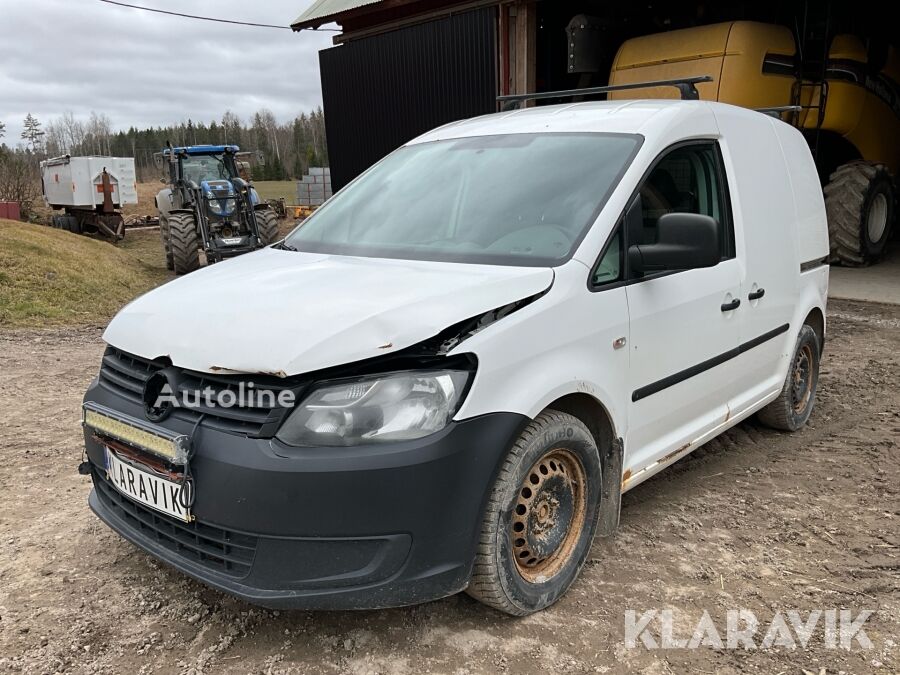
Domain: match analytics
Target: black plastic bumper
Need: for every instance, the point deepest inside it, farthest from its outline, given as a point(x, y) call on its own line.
point(325, 528)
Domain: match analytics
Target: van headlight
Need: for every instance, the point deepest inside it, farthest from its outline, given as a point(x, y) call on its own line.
point(394, 407)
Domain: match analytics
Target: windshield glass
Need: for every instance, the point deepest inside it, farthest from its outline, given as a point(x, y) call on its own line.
point(516, 199)
point(204, 167)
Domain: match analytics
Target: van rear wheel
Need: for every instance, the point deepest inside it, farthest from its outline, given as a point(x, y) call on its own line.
point(791, 410)
point(860, 205)
point(540, 519)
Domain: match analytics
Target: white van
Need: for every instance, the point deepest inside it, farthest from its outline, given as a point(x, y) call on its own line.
point(471, 351)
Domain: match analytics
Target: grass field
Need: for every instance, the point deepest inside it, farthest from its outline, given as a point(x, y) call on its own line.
point(276, 189)
point(52, 277)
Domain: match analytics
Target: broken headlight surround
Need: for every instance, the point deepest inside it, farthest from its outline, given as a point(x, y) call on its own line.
point(392, 407)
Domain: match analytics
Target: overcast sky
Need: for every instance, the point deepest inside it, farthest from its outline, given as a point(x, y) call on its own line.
point(145, 69)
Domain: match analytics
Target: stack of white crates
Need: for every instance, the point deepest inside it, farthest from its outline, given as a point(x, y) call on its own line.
point(315, 187)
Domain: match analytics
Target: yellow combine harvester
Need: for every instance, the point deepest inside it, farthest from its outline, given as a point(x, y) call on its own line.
point(847, 104)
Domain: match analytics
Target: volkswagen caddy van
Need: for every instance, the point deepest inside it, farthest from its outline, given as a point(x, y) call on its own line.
point(445, 379)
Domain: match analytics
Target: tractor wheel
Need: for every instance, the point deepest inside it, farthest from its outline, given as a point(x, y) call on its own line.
point(859, 201)
point(184, 243)
point(164, 233)
point(267, 224)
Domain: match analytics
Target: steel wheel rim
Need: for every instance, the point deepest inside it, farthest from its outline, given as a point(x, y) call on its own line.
point(802, 379)
point(549, 515)
point(876, 218)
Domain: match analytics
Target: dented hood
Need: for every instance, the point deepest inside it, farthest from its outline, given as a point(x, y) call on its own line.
point(285, 312)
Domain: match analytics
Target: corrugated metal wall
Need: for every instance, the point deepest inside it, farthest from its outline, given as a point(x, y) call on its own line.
point(383, 90)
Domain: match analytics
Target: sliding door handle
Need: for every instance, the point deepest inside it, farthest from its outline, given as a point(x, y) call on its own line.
point(728, 306)
point(757, 294)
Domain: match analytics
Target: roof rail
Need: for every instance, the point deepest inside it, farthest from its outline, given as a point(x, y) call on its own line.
point(684, 84)
point(776, 111)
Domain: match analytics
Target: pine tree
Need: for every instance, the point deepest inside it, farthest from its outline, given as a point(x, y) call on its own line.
point(32, 132)
point(2, 130)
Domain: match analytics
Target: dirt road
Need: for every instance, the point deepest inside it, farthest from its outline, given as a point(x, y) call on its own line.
point(755, 520)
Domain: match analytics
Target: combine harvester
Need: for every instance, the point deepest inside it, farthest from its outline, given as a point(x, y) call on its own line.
point(842, 94)
point(89, 191)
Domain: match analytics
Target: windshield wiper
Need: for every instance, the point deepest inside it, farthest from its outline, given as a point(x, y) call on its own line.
point(286, 247)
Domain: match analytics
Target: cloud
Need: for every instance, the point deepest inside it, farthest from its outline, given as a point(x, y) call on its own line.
point(144, 69)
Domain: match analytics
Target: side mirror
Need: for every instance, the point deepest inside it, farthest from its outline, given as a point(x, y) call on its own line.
point(686, 241)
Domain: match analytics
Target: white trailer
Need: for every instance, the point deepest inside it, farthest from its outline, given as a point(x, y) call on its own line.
point(89, 190)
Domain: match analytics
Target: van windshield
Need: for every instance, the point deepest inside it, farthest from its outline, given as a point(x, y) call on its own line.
point(515, 199)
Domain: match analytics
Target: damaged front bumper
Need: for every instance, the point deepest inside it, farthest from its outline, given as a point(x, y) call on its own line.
point(327, 528)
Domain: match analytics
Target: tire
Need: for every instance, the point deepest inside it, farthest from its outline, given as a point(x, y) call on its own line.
point(56, 222)
point(164, 234)
point(184, 243)
point(71, 224)
point(791, 410)
point(860, 202)
point(267, 224)
point(540, 518)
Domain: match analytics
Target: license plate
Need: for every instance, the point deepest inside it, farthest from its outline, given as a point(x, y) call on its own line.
point(147, 489)
point(231, 241)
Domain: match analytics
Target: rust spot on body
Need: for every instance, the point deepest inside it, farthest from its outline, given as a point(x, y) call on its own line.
point(626, 477)
point(675, 452)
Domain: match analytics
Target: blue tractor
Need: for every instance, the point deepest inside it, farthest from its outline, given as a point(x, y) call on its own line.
point(208, 206)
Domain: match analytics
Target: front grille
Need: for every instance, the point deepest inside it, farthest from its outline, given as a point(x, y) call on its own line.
point(125, 374)
point(222, 551)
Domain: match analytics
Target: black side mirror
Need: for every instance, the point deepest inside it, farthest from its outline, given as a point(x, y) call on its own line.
point(686, 241)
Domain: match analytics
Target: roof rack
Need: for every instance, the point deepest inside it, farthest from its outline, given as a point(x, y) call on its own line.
point(684, 84)
point(777, 111)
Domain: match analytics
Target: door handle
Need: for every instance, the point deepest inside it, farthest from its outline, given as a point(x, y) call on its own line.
point(757, 294)
point(728, 306)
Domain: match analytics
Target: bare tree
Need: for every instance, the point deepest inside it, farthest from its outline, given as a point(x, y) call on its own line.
point(231, 125)
point(18, 180)
point(98, 132)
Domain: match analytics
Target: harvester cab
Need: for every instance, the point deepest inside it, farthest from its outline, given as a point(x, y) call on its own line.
point(209, 206)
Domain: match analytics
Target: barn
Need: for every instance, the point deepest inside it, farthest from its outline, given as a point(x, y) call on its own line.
point(401, 67)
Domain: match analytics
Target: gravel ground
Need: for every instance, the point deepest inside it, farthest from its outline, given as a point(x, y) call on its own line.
point(754, 520)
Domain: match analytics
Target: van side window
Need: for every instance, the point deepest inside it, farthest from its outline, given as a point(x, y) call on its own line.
point(689, 179)
point(609, 267)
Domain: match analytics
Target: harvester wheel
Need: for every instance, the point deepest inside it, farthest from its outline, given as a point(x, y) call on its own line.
point(267, 224)
point(164, 233)
point(184, 243)
point(860, 203)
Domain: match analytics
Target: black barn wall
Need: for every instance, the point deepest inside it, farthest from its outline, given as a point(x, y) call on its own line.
point(381, 91)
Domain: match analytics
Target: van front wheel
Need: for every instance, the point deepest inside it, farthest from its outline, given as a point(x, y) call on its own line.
point(540, 519)
point(794, 404)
